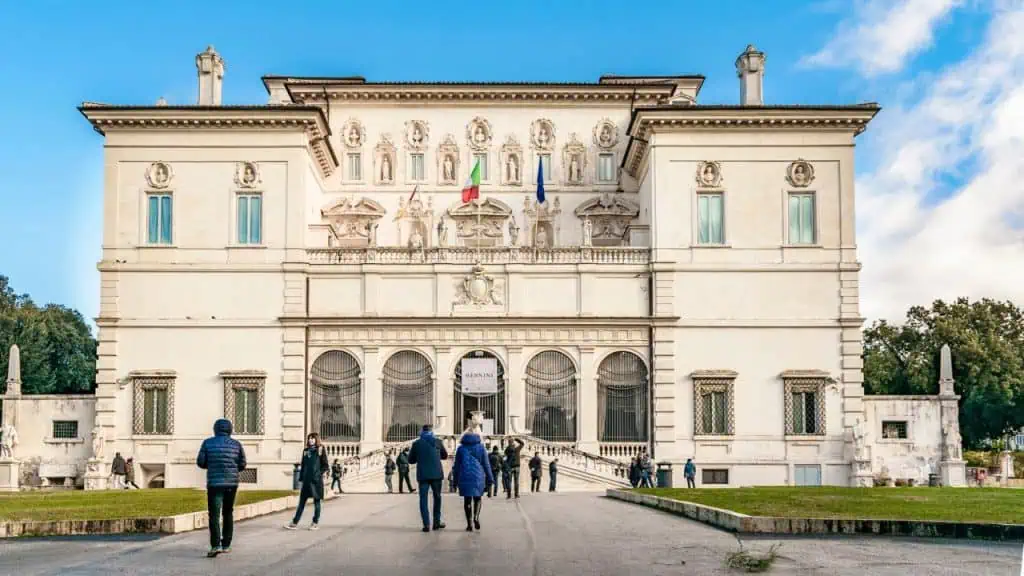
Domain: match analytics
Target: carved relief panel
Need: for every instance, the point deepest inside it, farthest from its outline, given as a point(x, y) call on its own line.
point(478, 292)
point(609, 216)
point(478, 134)
point(247, 175)
point(574, 159)
point(448, 161)
point(159, 175)
point(417, 133)
point(384, 161)
point(512, 162)
point(800, 174)
point(353, 134)
point(542, 135)
point(709, 175)
point(415, 222)
point(353, 222)
point(606, 135)
point(542, 225)
point(480, 222)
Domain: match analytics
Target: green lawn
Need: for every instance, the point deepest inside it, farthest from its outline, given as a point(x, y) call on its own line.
point(998, 505)
point(108, 504)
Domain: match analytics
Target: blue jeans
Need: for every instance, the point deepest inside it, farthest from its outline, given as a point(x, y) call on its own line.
point(425, 486)
point(304, 495)
point(645, 479)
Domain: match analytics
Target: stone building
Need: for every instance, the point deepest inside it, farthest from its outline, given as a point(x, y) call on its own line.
point(689, 285)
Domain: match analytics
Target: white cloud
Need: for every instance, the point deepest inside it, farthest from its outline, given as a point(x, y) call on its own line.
point(883, 35)
point(969, 241)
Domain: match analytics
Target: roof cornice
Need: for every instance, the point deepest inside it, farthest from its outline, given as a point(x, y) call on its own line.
point(650, 120)
point(310, 119)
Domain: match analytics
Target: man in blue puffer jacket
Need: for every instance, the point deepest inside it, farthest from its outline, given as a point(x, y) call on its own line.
point(223, 458)
point(427, 453)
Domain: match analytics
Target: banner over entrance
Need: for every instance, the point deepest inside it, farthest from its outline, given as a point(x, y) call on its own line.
point(479, 376)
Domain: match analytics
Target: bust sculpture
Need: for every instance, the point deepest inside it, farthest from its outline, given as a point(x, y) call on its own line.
point(353, 136)
point(542, 135)
point(606, 135)
point(98, 442)
point(708, 175)
point(479, 137)
point(8, 440)
point(160, 174)
point(249, 175)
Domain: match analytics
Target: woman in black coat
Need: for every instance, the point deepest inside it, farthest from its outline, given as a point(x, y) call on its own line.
point(311, 474)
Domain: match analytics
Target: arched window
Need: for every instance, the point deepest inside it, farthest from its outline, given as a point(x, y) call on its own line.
point(408, 381)
point(622, 398)
point(493, 405)
point(551, 397)
point(335, 397)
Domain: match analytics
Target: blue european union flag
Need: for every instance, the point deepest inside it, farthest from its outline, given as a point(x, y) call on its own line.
point(540, 182)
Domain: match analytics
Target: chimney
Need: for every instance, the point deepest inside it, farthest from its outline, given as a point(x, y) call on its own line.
point(211, 76)
point(750, 69)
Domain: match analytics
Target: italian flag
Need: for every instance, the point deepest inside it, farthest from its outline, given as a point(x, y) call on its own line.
point(472, 188)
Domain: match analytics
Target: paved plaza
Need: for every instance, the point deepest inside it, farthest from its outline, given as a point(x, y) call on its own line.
point(540, 534)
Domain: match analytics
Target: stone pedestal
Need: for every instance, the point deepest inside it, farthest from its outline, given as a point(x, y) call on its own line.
point(862, 477)
point(10, 475)
point(953, 473)
point(96, 477)
point(1006, 467)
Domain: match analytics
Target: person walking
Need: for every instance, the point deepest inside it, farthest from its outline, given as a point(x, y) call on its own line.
point(223, 458)
point(427, 453)
point(129, 476)
point(553, 475)
point(473, 475)
point(634, 471)
point(389, 472)
point(535, 472)
point(118, 470)
point(690, 472)
point(403, 471)
point(311, 474)
point(512, 458)
point(494, 458)
point(336, 473)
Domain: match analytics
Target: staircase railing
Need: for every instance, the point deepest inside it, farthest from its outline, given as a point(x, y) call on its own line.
point(365, 465)
point(571, 458)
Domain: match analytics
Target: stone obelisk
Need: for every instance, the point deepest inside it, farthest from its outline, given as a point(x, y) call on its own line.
point(10, 469)
point(952, 469)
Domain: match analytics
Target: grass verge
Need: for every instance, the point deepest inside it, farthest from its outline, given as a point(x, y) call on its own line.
point(112, 504)
point(994, 505)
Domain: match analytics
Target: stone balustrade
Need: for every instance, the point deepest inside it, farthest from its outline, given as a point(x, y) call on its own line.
point(464, 255)
point(621, 451)
point(571, 457)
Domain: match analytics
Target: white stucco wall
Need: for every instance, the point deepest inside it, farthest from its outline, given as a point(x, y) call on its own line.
point(914, 457)
point(40, 453)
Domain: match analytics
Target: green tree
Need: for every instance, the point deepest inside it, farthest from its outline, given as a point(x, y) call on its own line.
point(986, 338)
point(58, 352)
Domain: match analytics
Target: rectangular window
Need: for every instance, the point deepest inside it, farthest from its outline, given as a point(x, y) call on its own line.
point(160, 218)
point(154, 416)
point(355, 166)
point(250, 213)
point(247, 409)
point(243, 401)
point(894, 430)
point(416, 167)
point(714, 476)
point(711, 214)
point(248, 476)
point(545, 161)
point(804, 412)
point(482, 159)
point(716, 412)
point(65, 429)
point(606, 168)
point(801, 219)
point(807, 475)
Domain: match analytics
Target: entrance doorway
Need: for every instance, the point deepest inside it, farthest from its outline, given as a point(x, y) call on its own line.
point(492, 405)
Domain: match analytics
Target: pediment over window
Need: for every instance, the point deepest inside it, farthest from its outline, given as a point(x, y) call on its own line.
point(481, 222)
point(610, 216)
point(351, 220)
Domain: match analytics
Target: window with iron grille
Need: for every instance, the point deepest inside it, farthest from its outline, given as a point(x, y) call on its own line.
point(65, 429)
point(154, 404)
point(805, 405)
point(249, 476)
point(713, 476)
point(894, 430)
point(243, 401)
point(713, 402)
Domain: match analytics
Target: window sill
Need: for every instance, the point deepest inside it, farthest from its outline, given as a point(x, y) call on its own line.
point(712, 246)
point(815, 245)
point(63, 440)
point(804, 437)
point(259, 436)
point(153, 437)
point(246, 247)
point(158, 246)
point(713, 437)
point(895, 441)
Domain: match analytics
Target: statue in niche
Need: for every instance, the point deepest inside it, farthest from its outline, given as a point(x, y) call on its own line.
point(512, 168)
point(353, 136)
point(541, 239)
point(449, 167)
point(98, 442)
point(385, 169)
point(417, 135)
point(606, 136)
point(800, 175)
point(416, 239)
point(479, 136)
point(442, 233)
point(249, 175)
point(588, 232)
point(574, 169)
point(513, 232)
point(371, 234)
point(542, 136)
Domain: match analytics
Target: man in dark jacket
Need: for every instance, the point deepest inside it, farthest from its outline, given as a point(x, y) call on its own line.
point(495, 460)
point(223, 458)
point(553, 475)
point(535, 472)
point(119, 469)
point(403, 471)
point(512, 456)
point(336, 474)
point(389, 472)
point(427, 454)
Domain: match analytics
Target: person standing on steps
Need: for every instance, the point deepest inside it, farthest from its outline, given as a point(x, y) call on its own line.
point(690, 472)
point(494, 458)
point(427, 453)
point(634, 471)
point(473, 475)
point(389, 472)
point(311, 474)
point(336, 472)
point(223, 458)
point(553, 475)
point(403, 471)
point(119, 470)
point(512, 457)
point(535, 471)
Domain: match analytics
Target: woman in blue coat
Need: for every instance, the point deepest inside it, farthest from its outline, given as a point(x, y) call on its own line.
point(473, 476)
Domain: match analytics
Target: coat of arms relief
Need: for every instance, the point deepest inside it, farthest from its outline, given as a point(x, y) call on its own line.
point(478, 292)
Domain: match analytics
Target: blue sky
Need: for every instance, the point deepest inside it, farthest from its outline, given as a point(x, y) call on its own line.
point(917, 159)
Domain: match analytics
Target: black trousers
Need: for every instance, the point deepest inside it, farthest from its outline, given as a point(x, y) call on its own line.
point(220, 502)
point(403, 477)
point(690, 482)
point(553, 482)
point(435, 487)
point(513, 480)
point(471, 505)
point(336, 482)
point(534, 483)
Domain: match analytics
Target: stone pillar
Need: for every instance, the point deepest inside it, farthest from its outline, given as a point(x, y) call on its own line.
point(852, 375)
point(373, 401)
point(516, 391)
point(587, 383)
point(446, 421)
point(210, 66)
point(10, 475)
point(952, 468)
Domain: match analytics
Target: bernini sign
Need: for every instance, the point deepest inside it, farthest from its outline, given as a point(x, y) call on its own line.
point(479, 376)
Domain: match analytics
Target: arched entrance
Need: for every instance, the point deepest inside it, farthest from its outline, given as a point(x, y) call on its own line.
point(551, 397)
point(622, 398)
point(408, 382)
point(335, 397)
point(493, 405)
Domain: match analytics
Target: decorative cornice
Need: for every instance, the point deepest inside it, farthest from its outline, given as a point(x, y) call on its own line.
point(714, 374)
point(136, 374)
point(310, 119)
point(242, 374)
point(806, 375)
point(597, 94)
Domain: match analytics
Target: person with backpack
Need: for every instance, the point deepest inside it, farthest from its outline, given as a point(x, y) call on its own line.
point(311, 474)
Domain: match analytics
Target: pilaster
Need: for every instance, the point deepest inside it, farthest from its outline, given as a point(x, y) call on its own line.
point(852, 365)
point(293, 387)
point(373, 401)
point(664, 389)
point(588, 402)
point(516, 391)
point(448, 423)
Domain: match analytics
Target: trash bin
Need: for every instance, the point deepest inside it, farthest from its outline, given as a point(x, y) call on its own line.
point(933, 480)
point(295, 477)
point(664, 475)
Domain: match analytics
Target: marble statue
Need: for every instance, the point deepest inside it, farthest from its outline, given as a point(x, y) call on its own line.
point(952, 441)
point(574, 169)
point(449, 168)
point(249, 175)
point(588, 232)
point(542, 238)
point(606, 135)
point(708, 176)
point(8, 440)
point(160, 175)
point(371, 234)
point(512, 168)
point(385, 169)
point(513, 232)
point(442, 233)
point(98, 442)
point(415, 240)
point(353, 136)
point(799, 175)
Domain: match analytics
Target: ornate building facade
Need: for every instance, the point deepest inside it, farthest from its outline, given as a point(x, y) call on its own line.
point(689, 285)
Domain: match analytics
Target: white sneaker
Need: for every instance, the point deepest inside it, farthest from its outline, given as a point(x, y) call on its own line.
point(314, 527)
point(291, 526)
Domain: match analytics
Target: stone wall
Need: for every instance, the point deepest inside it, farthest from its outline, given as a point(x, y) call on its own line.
point(916, 455)
point(43, 457)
